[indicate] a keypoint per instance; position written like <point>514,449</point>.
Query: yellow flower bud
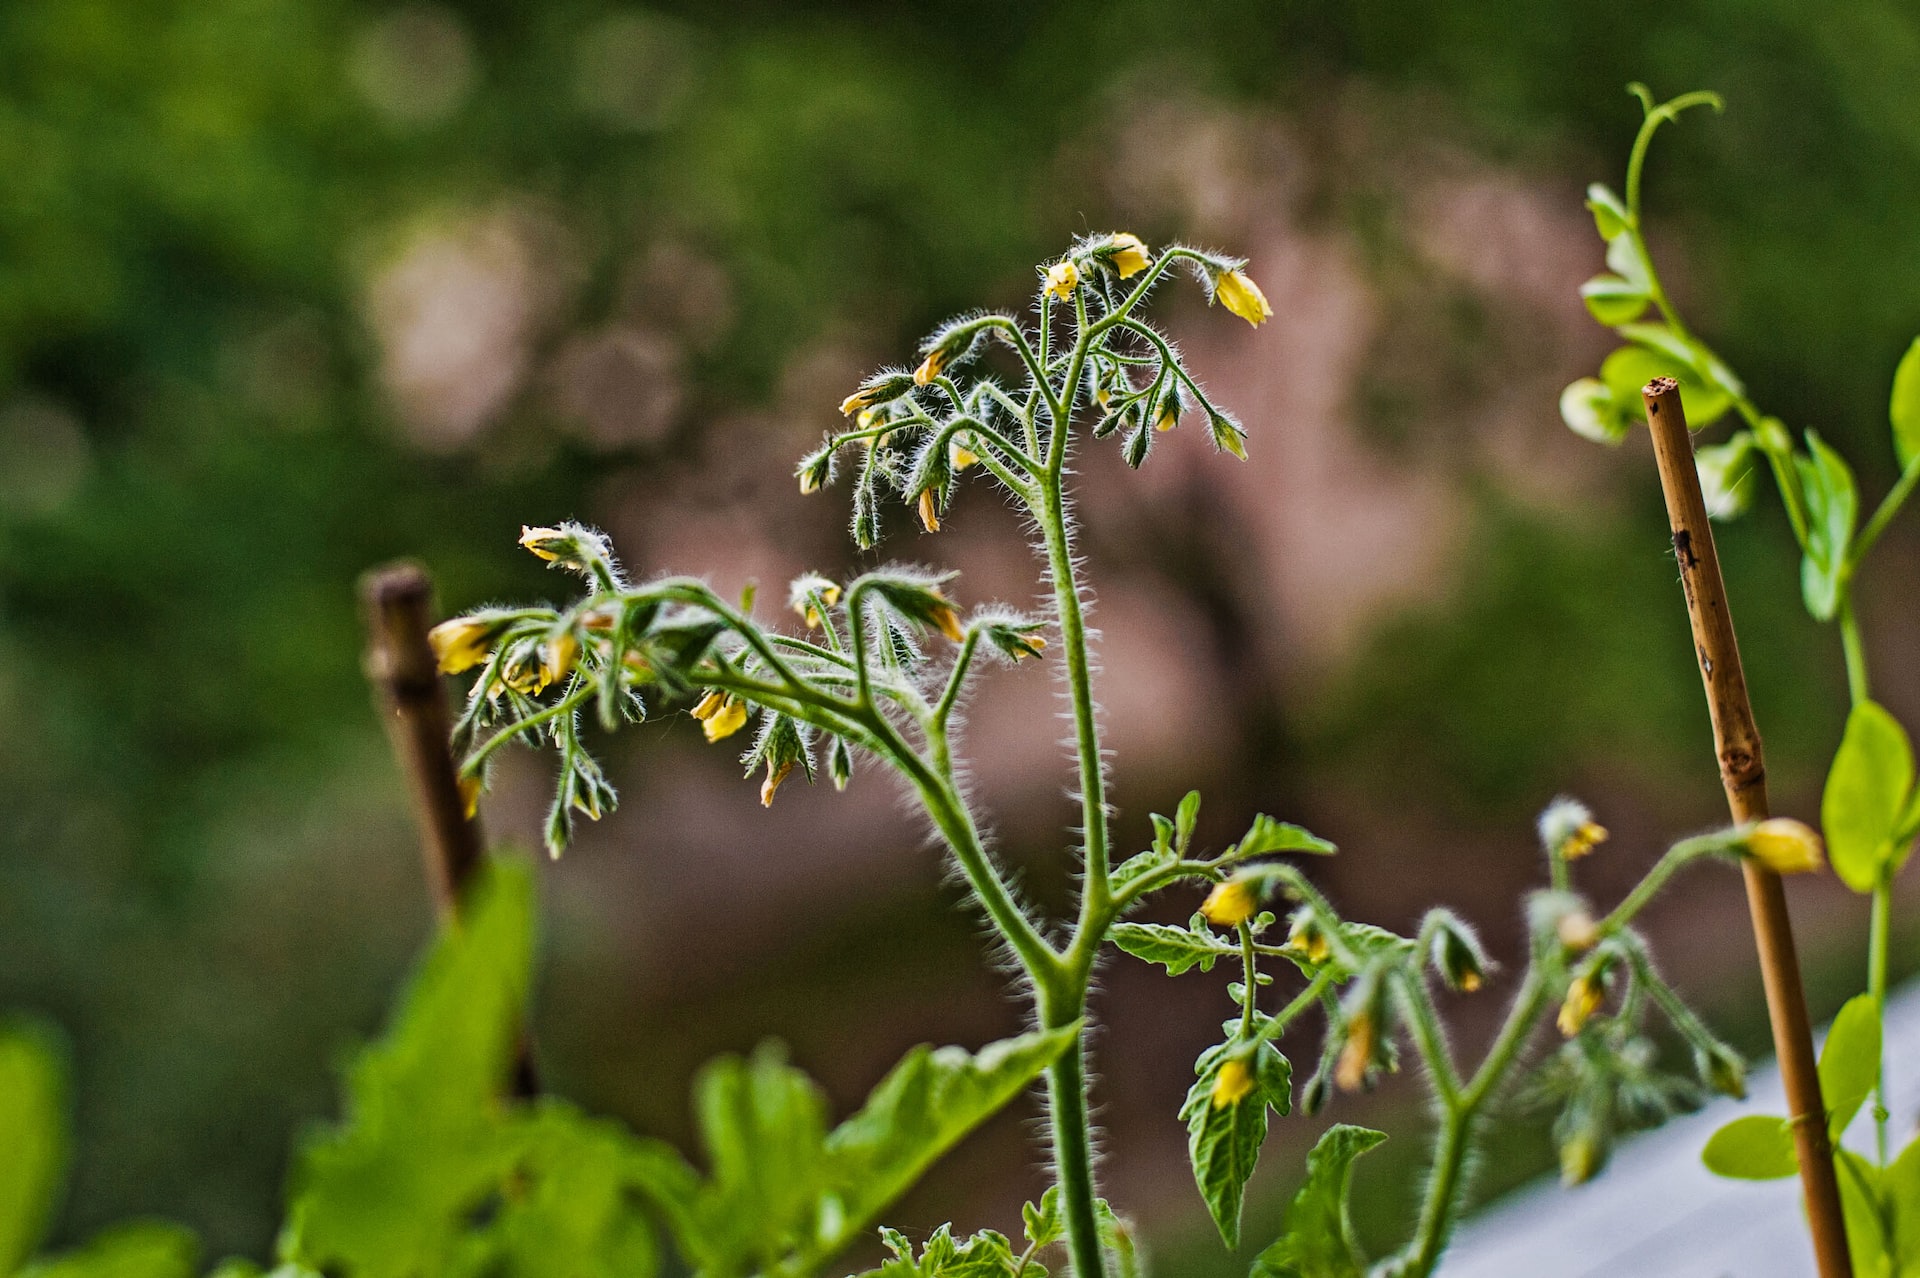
<point>947,621</point>
<point>1307,938</point>
<point>557,656</point>
<point>1231,903</point>
<point>929,511</point>
<point>1584,997</point>
<point>461,644</point>
<point>1062,279</point>
<point>961,457</point>
<point>1127,254</point>
<point>1584,839</point>
<point>1243,297</point>
<point>1233,1084</point>
<point>771,785</point>
<point>1350,1072</point>
<point>1167,416</point>
<point>1786,846</point>
<point>470,796</point>
<point>828,594</point>
<point>931,367</point>
<point>548,543</point>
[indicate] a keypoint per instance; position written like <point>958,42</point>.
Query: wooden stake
<point>1743,774</point>
<point>398,600</point>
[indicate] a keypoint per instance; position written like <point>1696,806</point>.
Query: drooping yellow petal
<point>1231,903</point>
<point>1583,1000</point>
<point>931,367</point>
<point>548,543</point>
<point>470,796</point>
<point>929,510</point>
<point>947,622</point>
<point>1350,1073</point>
<point>1243,297</point>
<point>1062,278</point>
<point>1127,254</point>
<point>1585,838</point>
<point>1233,1084</point>
<point>727,720</point>
<point>460,644</point>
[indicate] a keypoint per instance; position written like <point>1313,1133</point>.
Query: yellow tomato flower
<point>931,367</point>
<point>461,644</point>
<point>1786,846</point>
<point>720,715</point>
<point>1583,1000</point>
<point>548,543</point>
<point>1307,938</point>
<point>1168,415</point>
<point>1127,254</point>
<point>1062,279</point>
<point>828,594</point>
<point>1243,297</point>
<point>960,456</point>
<point>1350,1073</point>
<point>557,656</point>
<point>470,796</point>
<point>1583,840</point>
<point>929,510</point>
<point>1233,1084</point>
<point>1231,903</point>
<point>947,621</point>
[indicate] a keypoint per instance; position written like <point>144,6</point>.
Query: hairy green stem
<point>1072,1132</point>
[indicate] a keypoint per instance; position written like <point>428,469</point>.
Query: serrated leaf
<point>1904,410</point>
<point>1177,949</point>
<point>1267,836</point>
<point>142,1250</point>
<point>1832,504</point>
<point>386,1193</point>
<point>1224,1136</point>
<point>929,1102</point>
<point>763,1125</point>
<point>1042,1219</point>
<point>1318,1241</point>
<point>1850,1062</point>
<point>33,1104</point>
<point>1757,1147</point>
<point>1868,790</point>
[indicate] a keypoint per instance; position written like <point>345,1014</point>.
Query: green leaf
<point>985,1255</point>
<point>1866,799</point>
<point>1726,475</point>
<point>1900,1184</point>
<point>1318,1242</point>
<point>1184,819</point>
<point>1224,1138</point>
<point>763,1125</point>
<point>33,1101</point>
<point>1177,949</point>
<point>1267,836</point>
<point>1590,411</point>
<point>1757,1147</point>
<point>1657,353</point>
<point>1042,1220</point>
<point>1116,1236</point>
<point>387,1193</point>
<point>143,1250</point>
<point>1610,216</point>
<point>1832,504</point>
<point>1905,408</point>
<point>1614,301</point>
<point>929,1102</point>
<point>1861,1190</point>
<point>570,1213</point>
<point>1625,260</point>
<point>1850,1062</point>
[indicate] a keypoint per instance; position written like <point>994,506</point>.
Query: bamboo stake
<point>1743,774</point>
<point>398,601</point>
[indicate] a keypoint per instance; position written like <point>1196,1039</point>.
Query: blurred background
<point>289,287</point>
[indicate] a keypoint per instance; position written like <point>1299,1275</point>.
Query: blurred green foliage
<point>199,460</point>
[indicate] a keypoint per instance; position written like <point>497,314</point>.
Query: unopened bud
<point>1232,903</point>
<point>1786,846</point>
